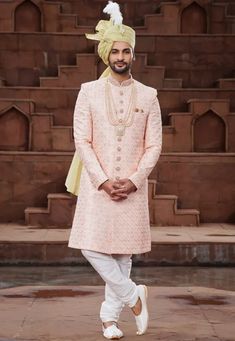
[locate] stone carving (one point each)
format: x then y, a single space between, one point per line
27 17
209 133
193 19
14 130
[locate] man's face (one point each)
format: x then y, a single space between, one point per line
120 57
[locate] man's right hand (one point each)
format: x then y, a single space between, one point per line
108 187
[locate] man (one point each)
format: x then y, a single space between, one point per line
118 137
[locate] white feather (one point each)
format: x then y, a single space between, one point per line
113 10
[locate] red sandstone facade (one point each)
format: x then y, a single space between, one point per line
185 49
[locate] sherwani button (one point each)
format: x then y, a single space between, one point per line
117 178
119 139
118 158
118 169
121 111
119 149
121 93
120 120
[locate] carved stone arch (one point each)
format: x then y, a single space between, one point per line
209 133
193 19
27 17
14 130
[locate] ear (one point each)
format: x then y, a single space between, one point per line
133 55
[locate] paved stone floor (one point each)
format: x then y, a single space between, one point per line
169 276
69 313
61 303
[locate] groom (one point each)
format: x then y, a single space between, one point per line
118 138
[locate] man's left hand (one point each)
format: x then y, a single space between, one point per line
123 186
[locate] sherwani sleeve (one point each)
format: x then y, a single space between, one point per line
83 139
152 145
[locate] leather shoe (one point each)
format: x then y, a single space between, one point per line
112 332
143 318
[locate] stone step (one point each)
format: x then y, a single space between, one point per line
172 83
49 137
68 22
208 244
226 83
151 74
2 82
59 212
68 76
164 211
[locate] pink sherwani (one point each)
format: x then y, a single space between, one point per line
101 224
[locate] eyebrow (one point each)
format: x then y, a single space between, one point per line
124 50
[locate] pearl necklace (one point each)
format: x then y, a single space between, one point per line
119 123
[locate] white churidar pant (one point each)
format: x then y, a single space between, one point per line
119 288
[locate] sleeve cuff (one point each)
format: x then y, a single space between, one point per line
99 181
136 181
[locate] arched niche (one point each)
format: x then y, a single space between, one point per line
209 133
193 19
14 130
27 17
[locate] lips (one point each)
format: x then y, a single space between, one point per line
120 64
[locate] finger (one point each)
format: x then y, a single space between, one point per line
120 195
122 181
117 191
118 198
117 185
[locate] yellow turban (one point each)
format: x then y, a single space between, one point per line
107 32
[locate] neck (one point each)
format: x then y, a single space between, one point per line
120 77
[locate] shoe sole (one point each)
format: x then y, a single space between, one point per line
113 338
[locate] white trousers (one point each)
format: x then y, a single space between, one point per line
119 288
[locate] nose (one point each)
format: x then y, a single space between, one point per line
120 56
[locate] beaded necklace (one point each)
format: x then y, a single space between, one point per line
119 123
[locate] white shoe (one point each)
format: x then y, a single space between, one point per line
143 318
112 332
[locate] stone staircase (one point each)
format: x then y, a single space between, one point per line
60 211
164 211
158 17
74 76
185 132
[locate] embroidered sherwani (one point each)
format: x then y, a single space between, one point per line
101 224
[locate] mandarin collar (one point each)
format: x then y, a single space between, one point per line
127 82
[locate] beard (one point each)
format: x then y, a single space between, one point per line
120 69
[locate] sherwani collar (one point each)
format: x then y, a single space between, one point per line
127 82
